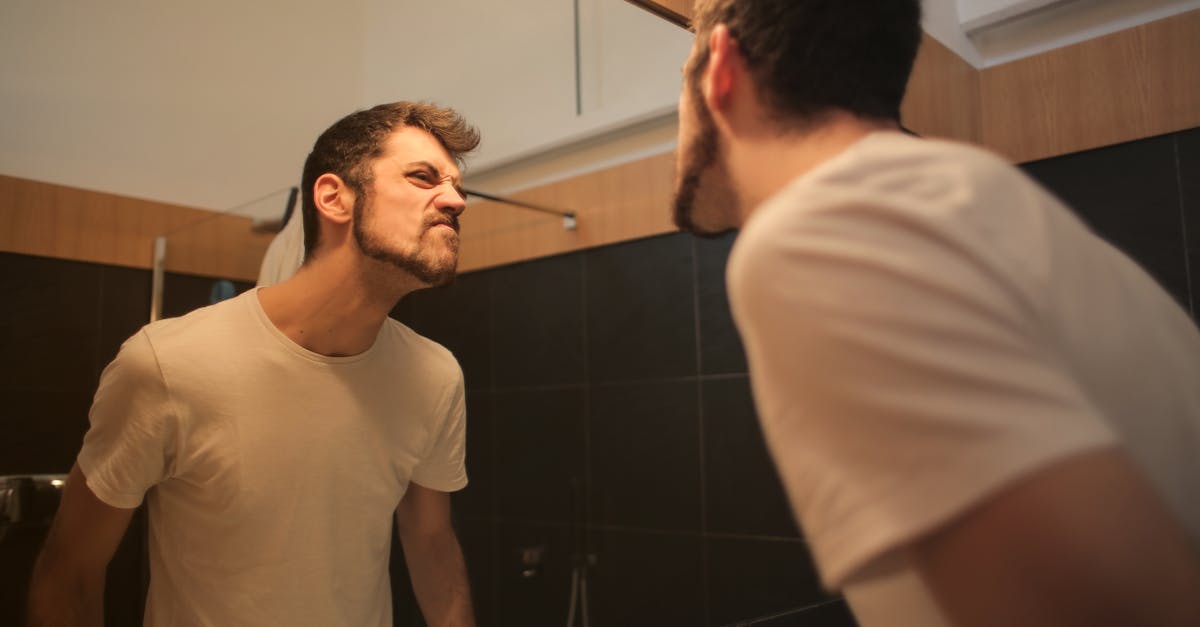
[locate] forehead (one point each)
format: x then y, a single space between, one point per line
409 145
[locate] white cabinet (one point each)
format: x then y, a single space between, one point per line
510 67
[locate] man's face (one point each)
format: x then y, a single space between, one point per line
704 201
409 215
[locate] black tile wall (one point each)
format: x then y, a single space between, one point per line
744 492
538 314
456 316
478 544
644 578
43 429
49 323
751 578
641 310
533 594
538 454
645 455
1128 194
476 501
183 293
125 294
1188 146
720 346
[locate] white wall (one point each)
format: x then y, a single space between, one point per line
510 67
207 104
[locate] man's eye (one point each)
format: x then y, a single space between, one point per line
423 177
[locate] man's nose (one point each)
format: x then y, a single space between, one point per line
450 200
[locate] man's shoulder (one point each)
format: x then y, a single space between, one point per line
436 357
203 326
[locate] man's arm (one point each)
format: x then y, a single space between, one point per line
1084 542
67 588
434 558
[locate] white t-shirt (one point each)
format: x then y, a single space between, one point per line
271 472
925 326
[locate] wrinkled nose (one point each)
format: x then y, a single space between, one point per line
450 201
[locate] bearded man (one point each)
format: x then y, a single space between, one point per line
276 434
982 413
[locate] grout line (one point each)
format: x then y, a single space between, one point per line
702 462
579 385
586 493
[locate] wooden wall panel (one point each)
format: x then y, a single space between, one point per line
70 223
615 204
943 94
1132 84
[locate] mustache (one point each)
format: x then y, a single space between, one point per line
450 221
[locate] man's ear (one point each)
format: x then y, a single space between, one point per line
726 68
334 199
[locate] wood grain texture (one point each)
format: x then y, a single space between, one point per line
1128 85
616 204
942 99
70 223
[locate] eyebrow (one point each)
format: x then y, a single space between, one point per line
455 180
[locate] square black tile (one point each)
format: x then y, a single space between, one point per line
49 325
538 453
1128 194
124 309
721 349
744 492
646 579
476 500
748 579
641 310
533 575
478 541
537 314
43 429
1188 145
185 293
645 455
456 316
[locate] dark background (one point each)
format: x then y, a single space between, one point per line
609 409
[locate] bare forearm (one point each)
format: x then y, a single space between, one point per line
59 599
439 576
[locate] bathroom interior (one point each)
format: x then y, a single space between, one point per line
618 475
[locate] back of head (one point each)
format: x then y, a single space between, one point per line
350 146
808 57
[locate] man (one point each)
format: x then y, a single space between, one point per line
982 413
275 434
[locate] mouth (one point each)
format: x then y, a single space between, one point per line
452 227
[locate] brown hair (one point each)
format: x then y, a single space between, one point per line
808 57
348 148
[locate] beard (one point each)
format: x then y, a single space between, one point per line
703 185
420 261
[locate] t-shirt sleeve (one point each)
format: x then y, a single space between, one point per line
130 444
901 376
443 467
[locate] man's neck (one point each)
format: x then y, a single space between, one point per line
333 307
766 163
